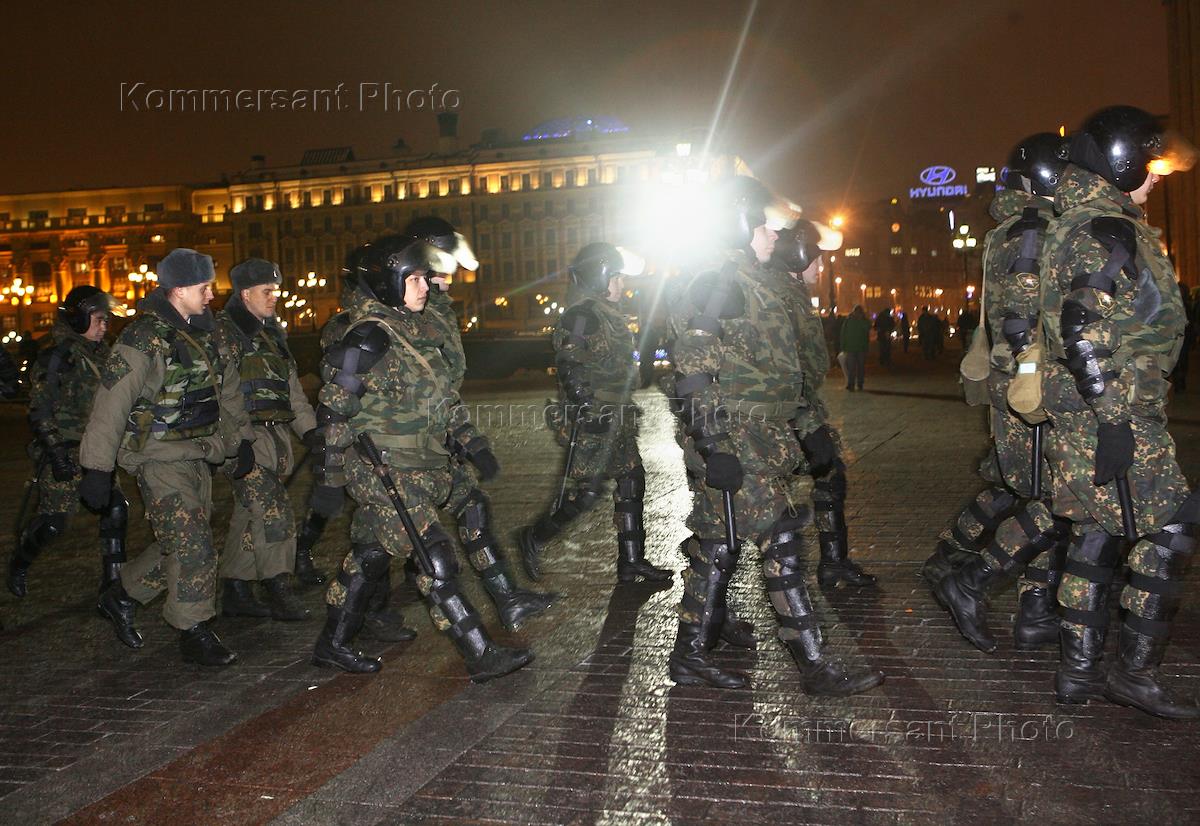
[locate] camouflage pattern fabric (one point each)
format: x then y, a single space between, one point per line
261 542
182 560
63 384
813 352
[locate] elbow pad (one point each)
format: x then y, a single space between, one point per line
1083 357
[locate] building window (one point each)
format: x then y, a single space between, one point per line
348 222
347 194
482 186
547 180
504 211
308 226
306 199
593 176
368 220
485 241
287 226
310 256
572 237
552 265
455 186
530 270
255 229
527 209
570 177
853 252
505 240
159 207
527 238
897 251
483 212
550 237
504 183
912 251
329 223
933 253
509 276
526 183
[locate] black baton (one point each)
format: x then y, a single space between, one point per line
730 522
1035 485
1128 517
562 491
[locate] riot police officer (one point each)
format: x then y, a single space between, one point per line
1114 326
388 378
65 379
738 381
596 375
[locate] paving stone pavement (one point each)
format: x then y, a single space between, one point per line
593 732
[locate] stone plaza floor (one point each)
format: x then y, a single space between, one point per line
593 732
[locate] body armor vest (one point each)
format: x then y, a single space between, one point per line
186 406
265 371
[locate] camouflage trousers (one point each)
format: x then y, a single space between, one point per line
182 560
1008 465
376 522
1158 490
261 542
59 497
769 453
601 456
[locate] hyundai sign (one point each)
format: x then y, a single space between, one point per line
939 183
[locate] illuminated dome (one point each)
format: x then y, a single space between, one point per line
566 127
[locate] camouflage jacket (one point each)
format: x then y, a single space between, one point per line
735 352
64 382
1137 329
814 353
127 422
441 310
1012 268
407 400
267 374
593 341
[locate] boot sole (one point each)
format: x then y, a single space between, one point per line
102 611
689 677
1122 700
958 625
486 676
849 691
209 664
321 662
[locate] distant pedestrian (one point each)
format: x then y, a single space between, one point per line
905 328
856 340
885 325
968 322
929 330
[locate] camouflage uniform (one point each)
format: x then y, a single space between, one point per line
812 422
388 376
168 407
261 542
740 389
597 376
1022 544
1114 322
64 381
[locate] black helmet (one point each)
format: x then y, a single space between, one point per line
740 206
382 266
77 308
442 235
1036 164
798 246
1117 144
597 263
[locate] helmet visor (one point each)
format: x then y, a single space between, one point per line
1172 153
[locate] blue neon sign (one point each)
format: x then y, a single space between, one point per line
939 183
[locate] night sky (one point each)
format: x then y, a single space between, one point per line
830 101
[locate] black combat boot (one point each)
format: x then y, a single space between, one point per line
1080 677
822 676
1037 620
282 601
532 540
342 623
380 623
964 594
835 566
307 574
333 645
1133 680
944 560
119 608
700 621
238 600
485 660
513 604
40 531
735 632
628 516
199 645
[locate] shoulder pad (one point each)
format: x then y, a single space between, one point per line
369 337
148 335
580 320
1030 219
715 294
1114 232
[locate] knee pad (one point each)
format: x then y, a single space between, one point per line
373 560
833 483
722 557
786 543
442 557
587 494
1189 511
633 484
54 524
473 516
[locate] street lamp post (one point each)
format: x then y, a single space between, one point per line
20 295
964 242
140 277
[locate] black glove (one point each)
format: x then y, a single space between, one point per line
485 462
1114 451
819 449
314 439
245 460
61 465
724 472
96 488
327 501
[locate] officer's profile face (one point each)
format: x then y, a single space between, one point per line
98 327
616 286
763 243
192 300
416 291
1142 193
260 300
813 272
